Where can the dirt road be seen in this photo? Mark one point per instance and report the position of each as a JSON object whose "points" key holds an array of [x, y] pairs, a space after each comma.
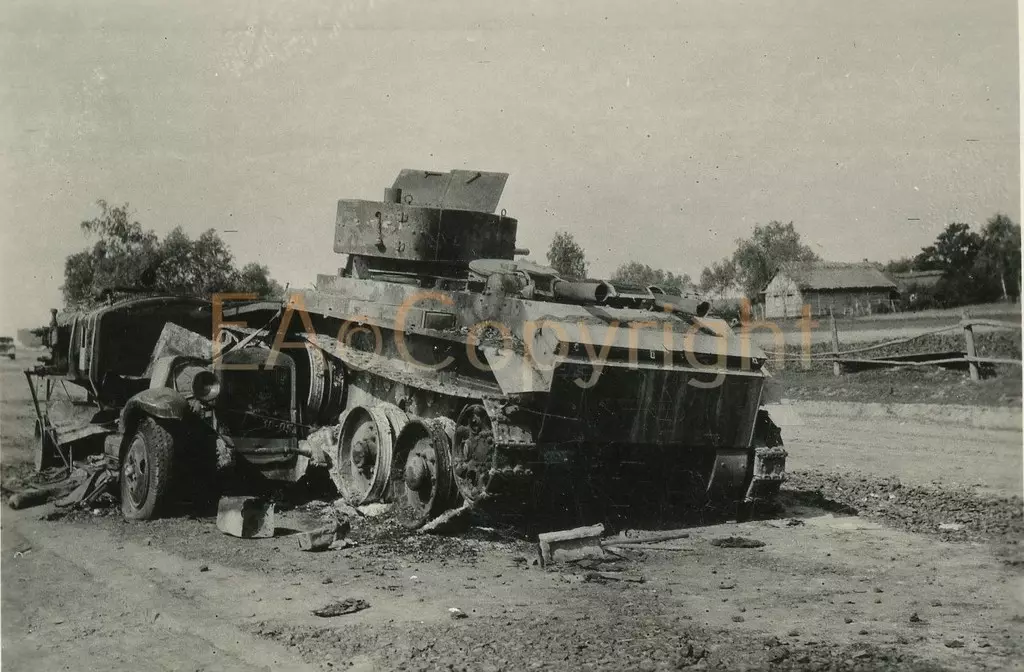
{"points": [[916, 452], [827, 590]]}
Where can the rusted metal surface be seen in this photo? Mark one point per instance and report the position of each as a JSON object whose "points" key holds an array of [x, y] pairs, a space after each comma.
{"points": [[455, 190], [410, 233], [433, 317]]}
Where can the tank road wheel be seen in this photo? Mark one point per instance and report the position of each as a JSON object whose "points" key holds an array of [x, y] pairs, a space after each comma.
{"points": [[421, 474], [365, 447], [473, 453], [146, 471]]}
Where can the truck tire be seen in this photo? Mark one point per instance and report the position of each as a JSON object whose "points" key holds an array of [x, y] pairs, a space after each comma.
{"points": [[146, 470]]}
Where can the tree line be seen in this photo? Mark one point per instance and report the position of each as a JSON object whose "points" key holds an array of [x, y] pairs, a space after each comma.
{"points": [[976, 266], [126, 258]]}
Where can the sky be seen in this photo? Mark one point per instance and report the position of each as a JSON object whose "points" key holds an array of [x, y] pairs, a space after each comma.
{"points": [[652, 131]]}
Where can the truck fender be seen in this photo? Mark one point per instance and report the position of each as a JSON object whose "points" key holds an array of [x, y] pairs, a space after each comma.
{"points": [[161, 403]]}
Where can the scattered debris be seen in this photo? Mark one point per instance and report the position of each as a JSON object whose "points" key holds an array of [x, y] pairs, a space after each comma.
{"points": [[451, 520], [245, 517], [457, 613], [347, 606], [375, 509], [204, 568], [97, 483], [52, 515], [954, 644], [610, 564], [321, 538], [914, 618], [35, 496], [627, 539], [604, 577], [950, 527], [343, 508], [736, 542], [563, 545]]}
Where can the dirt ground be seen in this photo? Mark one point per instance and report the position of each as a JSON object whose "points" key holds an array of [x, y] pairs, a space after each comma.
{"points": [[855, 574]]}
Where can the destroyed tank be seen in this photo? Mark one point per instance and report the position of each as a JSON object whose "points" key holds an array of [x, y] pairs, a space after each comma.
{"points": [[465, 375]]}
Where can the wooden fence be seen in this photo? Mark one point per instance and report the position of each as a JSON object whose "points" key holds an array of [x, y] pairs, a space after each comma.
{"points": [[968, 358]]}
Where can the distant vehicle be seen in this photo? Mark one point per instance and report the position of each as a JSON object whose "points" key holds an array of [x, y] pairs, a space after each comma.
{"points": [[7, 346]]}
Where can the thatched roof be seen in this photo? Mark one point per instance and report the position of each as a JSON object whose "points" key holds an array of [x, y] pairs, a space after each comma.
{"points": [[829, 275]]}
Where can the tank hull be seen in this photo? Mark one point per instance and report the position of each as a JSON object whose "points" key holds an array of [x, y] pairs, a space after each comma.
{"points": [[561, 389]]}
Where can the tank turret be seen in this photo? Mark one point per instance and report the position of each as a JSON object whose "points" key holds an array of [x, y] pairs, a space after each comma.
{"points": [[429, 224]]}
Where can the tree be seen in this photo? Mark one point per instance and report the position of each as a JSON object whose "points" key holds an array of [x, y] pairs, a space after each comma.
{"points": [[954, 250], [718, 278], [901, 265], [955, 253], [759, 257], [123, 256], [201, 267], [641, 275], [127, 257], [567, 257], [999, 256], [255, 279]]}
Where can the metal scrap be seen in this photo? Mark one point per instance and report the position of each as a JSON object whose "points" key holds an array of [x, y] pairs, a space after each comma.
{"points": [[736, 542], [347, 606]]}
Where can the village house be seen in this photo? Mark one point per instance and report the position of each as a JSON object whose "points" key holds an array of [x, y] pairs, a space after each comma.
{"points": [[843, 288], [912, 280]]}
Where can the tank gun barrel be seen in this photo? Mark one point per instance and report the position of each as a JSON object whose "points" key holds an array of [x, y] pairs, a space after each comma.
{"points": [[581, 292], [682, 305]]}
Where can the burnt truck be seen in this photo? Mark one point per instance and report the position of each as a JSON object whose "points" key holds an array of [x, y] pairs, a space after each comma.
{"points": [[470, 375], [143, 380]]}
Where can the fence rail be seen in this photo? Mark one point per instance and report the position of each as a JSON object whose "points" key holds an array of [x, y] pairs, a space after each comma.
{"points": [[840, 358]]}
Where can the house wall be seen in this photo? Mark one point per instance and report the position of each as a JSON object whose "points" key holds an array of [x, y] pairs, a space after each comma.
{"points": [[847, 301], [782, 298]]}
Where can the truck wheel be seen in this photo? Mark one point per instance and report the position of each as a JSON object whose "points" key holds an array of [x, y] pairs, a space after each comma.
{"points": [[146, 471]]}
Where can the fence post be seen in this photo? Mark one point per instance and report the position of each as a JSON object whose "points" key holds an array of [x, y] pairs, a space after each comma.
{"points": [[972, 352], [837, 368]]}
